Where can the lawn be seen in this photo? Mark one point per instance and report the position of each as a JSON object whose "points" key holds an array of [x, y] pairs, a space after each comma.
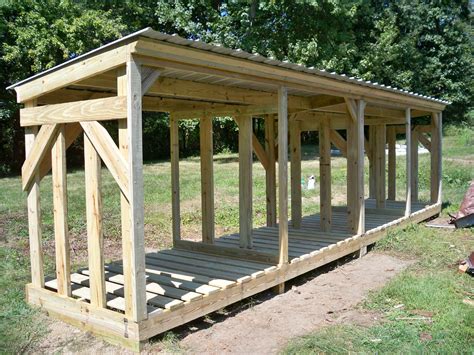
{"points": [[432, 285]]}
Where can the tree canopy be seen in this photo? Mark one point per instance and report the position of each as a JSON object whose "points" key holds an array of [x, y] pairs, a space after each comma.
{"points": [[418, 45]]}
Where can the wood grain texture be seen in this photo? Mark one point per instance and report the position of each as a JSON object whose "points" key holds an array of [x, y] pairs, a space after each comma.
{"points": [[270, 172], [283, 175], [409, 155], [175, 195], [392, 163], [295, 166], [325, 175], [207, 179], [245, 181], [379, 162], [436, 157]]}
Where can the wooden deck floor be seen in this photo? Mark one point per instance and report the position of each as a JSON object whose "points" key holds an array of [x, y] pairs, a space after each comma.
{"points": [[184, 285]]}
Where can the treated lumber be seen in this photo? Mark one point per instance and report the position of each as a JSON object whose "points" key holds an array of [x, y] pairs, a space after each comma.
{"points": [[435, 156], [260, 151], [414, 164], [34, 212], [295, 165], [110, 154], [73, 130], [370, 110], [207, 179], [72, 73], [409, 155], [424, 141], [392, 162], [325, 175], [148, 79], [160, 54], [40, 146], [175, 195], [338, 141], [379, 156], [355, 167], [283, 175], [79, 111], [95, 235], [61, 230], [245, 181], [370, 148], [270, 172]]}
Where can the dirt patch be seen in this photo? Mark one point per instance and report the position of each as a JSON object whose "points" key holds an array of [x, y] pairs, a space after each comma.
{"points": [[265, 323]]}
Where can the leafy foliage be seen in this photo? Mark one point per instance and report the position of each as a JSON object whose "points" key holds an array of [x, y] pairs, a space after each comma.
{"points": [[421, 46]]}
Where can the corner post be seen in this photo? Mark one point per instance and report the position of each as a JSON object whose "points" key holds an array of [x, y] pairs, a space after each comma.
{"points": [[34, 212], [245, 181], [325, 174], [207, 179], [174, 158], [133, 239], [408, 156], [270, 173], [295, 156], [436, 162], [414, 164], [283, 174]]}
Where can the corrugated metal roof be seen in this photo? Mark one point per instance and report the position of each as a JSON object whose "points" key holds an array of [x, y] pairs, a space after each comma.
{"points": [[239, 53]]}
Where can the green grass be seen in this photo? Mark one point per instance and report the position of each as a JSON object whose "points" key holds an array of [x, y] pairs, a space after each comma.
{"points": [[21, 326]]}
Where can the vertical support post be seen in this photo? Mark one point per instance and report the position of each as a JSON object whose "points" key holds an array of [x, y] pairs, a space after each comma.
{"points": [[355, 167], [245, 181], [379, 159], [283, 174], [174, 158], [414, 164], [295, 151], [207, 180], [34, 213], [61, 232], [392, 163], [325, 174], [408, 160], [371, 155], [95, 237], [133, 239], [436, 162], [270, 173]]}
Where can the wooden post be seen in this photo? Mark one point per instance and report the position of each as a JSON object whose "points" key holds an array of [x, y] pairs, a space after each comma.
{"points": [[378, 154], [95, 237], [295, 151], [355, 167], [325, 174], [270, 173], [436, 148], [371, 155], [245, 181], [61, 232], [408, 160], [174, 158], [392, 163], [283, 174], [34, 212], [414, 164], [207, 180], [133, 240]]}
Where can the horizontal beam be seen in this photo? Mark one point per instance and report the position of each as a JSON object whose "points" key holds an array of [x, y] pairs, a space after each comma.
{"points": [[88, 110]]}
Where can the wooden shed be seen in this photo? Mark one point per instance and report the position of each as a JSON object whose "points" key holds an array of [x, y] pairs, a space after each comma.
{"points": [[131, 300]]}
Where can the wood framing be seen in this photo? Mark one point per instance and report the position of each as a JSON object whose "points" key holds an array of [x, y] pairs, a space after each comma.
{"points": [[130, 300]]}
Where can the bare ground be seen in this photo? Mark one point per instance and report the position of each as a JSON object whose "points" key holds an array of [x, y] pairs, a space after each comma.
{"points": [[265, 323]]}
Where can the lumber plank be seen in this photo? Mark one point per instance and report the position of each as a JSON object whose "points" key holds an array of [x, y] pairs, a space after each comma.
{"points": [[260, 151], [270, 172], [283, 174], [338, 141], [34, 213], [409, 156], [435, 157], [245, 181], [392, 162], [175, 195], [295, 166], [207, 179], [414, 164], [379, 157], [40, 146], [424, 141], [110, 108], [325, 175], [95, 236], [61, 230], [109, 153]]}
